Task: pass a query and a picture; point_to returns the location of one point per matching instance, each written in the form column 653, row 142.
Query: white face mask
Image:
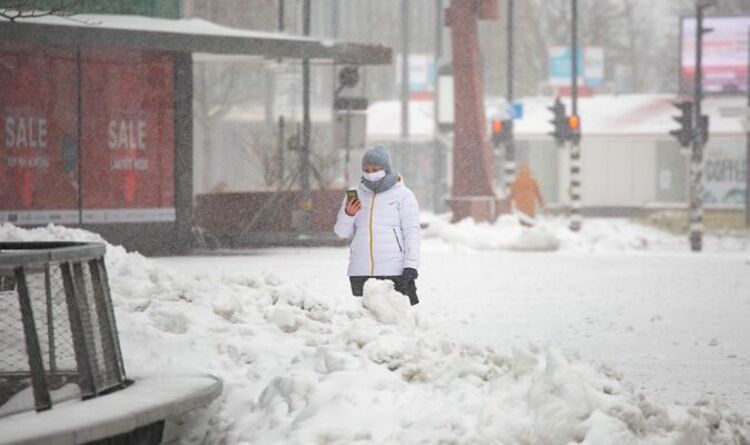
column 374, row 177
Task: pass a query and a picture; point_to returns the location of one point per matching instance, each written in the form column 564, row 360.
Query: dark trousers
column 405, row 287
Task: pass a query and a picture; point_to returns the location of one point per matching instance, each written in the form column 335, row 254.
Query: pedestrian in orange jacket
column 524, row 192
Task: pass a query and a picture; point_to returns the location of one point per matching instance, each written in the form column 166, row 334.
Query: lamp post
column 747, row 136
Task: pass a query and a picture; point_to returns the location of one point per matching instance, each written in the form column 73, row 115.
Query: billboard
column 38, row 135
column 724, row 174
column 590, row 66
column 127, row 136
column 421, row 72
column 725, row 54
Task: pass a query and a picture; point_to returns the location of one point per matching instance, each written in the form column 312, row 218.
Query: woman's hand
column 352, row 207
column 409, row 273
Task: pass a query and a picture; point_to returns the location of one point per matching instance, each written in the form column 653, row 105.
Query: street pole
column 334, row 86
column 404, row 81
column 510, row 149
column 305, row 152
column 335, row 20
column 575, row 149
column 438, row 164
column 747, row 136
column 696, row 158
column 281, row 148
column 348, row 143
column 280, row 152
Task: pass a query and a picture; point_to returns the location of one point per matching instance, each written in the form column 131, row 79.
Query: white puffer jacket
column 384, row 234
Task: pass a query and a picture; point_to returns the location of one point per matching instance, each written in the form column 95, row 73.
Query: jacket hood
column 378, row 155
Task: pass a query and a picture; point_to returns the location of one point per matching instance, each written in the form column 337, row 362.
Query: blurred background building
column 247, row 111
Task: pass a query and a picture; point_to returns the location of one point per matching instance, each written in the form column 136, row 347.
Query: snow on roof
column 153, row 24
column 637, row 115
column 192, row 35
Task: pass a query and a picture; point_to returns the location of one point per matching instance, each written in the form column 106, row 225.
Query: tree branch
column 26, row 9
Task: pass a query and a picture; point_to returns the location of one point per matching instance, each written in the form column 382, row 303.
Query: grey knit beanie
column 378, row 155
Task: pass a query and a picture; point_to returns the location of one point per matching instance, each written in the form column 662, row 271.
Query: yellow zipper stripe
column 372, row 252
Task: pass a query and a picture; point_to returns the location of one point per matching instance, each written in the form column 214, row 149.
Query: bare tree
column 219, row 87
column 323, row 157
column 261, row 147
column 733, row 7
column 24, row 9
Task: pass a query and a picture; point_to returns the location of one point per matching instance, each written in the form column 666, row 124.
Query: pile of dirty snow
column 301, row 366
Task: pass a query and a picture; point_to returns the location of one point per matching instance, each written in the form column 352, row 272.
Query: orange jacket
column 525, row 192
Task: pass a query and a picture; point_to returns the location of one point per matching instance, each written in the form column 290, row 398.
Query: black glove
column 409, row 273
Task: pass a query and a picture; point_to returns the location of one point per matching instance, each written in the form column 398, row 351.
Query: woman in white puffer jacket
column 383, row 226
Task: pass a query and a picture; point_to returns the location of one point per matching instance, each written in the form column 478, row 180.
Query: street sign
column 350, row 103
column 515, row 110
column 445, row 98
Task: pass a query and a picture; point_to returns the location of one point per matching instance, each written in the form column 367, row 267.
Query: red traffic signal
column 574, row 123
column 497, row 126
column 574, row 129
column 501, row 131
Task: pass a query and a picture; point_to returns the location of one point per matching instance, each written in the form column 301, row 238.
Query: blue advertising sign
column 560, row 64
column 590, row 66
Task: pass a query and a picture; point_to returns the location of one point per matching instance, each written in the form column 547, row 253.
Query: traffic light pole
column 747, row 129
column 575, row 148
column 305, row 149
column 696, row 158
column 510, row 149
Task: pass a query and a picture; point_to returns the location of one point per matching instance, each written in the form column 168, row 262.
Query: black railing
column 58, row 336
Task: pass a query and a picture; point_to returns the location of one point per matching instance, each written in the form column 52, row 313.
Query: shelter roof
column 185, row 35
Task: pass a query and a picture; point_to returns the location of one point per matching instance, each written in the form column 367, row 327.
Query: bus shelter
column 97, row 119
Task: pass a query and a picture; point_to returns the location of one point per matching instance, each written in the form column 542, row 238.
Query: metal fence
column 58, row 337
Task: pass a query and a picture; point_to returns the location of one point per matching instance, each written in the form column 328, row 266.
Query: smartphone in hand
column 351, row 195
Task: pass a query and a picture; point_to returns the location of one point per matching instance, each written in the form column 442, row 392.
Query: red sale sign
column 128, row 136
column 38, row 135
column 121, row 105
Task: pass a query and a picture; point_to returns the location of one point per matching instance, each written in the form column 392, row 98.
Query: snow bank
column 505, row 234
column 552, row 233
column 301, row 366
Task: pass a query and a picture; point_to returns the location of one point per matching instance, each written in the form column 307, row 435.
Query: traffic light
column 559, row 121
column 501, row 131
column 702, row 130
column 574, row 129
column 684, row 134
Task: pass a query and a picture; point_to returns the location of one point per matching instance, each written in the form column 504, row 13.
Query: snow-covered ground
column 616, row 335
